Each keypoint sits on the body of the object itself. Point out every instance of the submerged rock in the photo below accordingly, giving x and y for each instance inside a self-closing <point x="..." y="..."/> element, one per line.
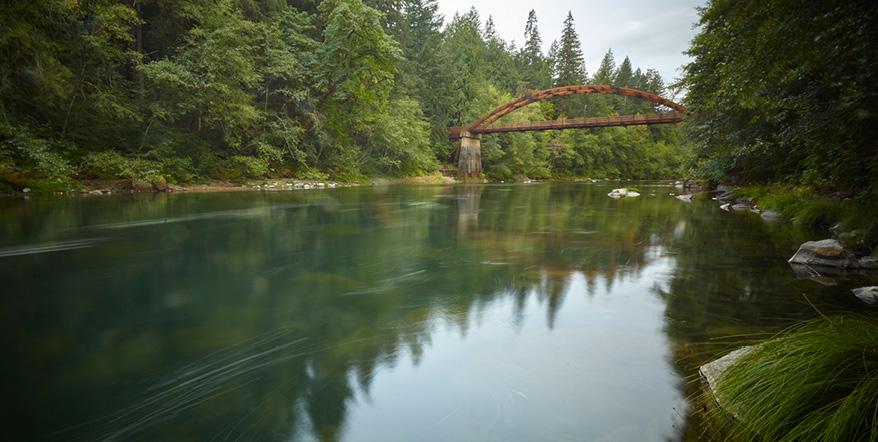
<point x="711" y="373"/>
<point x="869" y="295"/>
<point x="830" y="253"/>
<point x="769" y="215"/>
<point x="686" y="198"/>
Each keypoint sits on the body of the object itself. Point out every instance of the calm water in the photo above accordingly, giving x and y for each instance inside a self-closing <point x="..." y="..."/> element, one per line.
<point x="500" y="312"/>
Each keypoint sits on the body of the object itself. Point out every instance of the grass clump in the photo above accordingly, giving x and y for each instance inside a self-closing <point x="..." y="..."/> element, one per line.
<point x="817" y="381"/>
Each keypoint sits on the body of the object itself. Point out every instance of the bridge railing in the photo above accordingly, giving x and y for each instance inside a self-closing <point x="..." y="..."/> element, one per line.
<point x="574" y="123"/>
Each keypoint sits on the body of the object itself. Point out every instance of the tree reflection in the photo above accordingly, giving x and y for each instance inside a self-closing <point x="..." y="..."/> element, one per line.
<point x="268" y="314"/>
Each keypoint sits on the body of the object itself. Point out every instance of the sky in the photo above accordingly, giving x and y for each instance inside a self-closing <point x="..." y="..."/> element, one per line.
<point x="654" y="34"/>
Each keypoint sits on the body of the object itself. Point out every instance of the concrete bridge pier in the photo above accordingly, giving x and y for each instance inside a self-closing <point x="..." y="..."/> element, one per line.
<point x="469" y="163"/>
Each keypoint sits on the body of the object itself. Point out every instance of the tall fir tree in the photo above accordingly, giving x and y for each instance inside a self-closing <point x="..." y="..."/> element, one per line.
<point x="570" y="64"/>
<point x="625" y="74"/>
<point x="534" y="66"/>
<point x="553" y="61"/>
<point x="606" y="73"/>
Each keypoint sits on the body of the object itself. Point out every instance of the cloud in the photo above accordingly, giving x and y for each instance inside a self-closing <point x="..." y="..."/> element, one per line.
<point x="653" y="34"/>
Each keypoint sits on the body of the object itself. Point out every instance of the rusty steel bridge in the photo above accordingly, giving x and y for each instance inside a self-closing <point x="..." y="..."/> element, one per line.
<point x="469" y="137"/>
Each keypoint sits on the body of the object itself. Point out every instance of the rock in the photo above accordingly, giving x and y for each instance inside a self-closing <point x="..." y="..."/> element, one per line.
<point x="722" y="188"/>
<point x="685" y="198"/>
<point x="711" y="373"/>
<point x="869" y="295"/>
<point x="26" y="190"/>
<point x="632" y="195"/>
<point x="140" y="185"/>
<point x="693" y="186"/>
<point x="725" y="197"/>
<point x="727" y="207"/>
<point x="740" y="207"/>
<point x="868" y="263"/>
<point x="618" y="193"/>
<point x="827" y="253"/>
<point x="768" y="215"/>
<point x="159" y="183"/>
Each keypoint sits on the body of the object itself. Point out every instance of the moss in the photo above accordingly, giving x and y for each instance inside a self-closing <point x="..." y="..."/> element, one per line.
<point x="816" y="381"/>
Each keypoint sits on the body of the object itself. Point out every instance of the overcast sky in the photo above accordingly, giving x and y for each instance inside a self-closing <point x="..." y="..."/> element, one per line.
<point x="653" y="33"/>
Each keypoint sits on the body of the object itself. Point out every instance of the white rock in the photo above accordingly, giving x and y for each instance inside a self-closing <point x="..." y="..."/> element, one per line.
<point x="26" y="190"/>
<point x="631" y="194"/>
<point x="685" y="198"/>
<point x="712" y="372"/>
<point x="869" y="295"/>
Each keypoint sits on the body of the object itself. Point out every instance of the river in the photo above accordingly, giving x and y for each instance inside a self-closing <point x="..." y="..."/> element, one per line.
<point x="394" y="313"/>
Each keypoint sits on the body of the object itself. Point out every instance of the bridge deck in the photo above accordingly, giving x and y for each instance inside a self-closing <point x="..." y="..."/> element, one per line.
<point x="575" y="123"/>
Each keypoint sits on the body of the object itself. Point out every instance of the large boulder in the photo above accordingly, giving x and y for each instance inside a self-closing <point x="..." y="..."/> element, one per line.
<point x="827" y="253"/>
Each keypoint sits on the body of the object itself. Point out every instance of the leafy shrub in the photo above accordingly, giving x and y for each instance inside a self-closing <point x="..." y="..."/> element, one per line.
<point x="110" y="164"/>
<point x="250" y="167"/>
<point x="19" y="147"/>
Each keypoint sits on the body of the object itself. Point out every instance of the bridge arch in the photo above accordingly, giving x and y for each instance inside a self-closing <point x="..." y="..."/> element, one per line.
<point x="563" y="91"/>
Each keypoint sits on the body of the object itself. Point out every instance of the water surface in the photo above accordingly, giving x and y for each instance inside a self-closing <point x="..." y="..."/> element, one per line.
<point x="484" y="313"/>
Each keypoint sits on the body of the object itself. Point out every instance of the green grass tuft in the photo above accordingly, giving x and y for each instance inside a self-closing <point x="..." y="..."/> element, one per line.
<point x="817" y="381"/>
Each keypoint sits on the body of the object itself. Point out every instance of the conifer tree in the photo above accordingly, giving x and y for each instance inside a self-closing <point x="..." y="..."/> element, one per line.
<point x="570" y="64"/>
<point x="625" y="74"/>
<point x="606" y="73"/>
<point x="535" y="67"/>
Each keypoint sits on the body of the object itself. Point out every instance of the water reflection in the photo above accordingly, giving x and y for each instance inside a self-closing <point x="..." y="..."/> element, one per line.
<point x="526" y="312"/>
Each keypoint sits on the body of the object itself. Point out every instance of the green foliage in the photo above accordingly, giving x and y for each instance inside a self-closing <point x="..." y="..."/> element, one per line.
<point x="803" y="205"/>
<point x="43" y="157"/>
<point x="816" y="381"/>
<point x="189" y="90"/>
<point x="785" y="92"/>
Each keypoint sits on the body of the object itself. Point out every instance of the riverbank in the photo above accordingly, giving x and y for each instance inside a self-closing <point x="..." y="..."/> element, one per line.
<point x="841" y="215"/>
<point x="121" y="186"/>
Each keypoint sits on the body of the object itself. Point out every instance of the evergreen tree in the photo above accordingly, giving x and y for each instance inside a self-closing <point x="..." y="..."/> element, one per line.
<point x="570" y="70"/>
<point x="625" y="74"/>
<point x="570" y="64"/>
<point x="606" y="73"/>
<point x="553" y="61"/>
<point x="535" y="68"/>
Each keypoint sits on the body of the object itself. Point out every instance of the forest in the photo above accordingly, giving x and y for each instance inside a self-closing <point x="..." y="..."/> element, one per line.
<point x="785" y="92"/>
<point x="195" y="90"/>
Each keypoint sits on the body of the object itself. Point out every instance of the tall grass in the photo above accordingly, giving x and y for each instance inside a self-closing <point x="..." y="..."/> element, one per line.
<point x="817" y="381"/>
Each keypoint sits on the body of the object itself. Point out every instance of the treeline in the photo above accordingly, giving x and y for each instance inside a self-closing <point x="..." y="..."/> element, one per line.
<point x="185" y="90"/>
<point x="785" y="92"/>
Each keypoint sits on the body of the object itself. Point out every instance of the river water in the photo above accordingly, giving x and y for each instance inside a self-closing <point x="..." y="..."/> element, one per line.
<point x="529" y="312"/>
